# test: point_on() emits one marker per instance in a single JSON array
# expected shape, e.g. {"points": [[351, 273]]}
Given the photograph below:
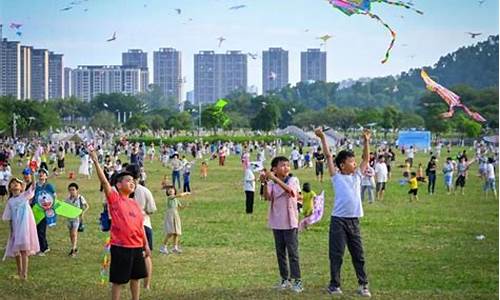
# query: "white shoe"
{"points": [[283, 284], [177, 250], [363, 291], [163, 250]]}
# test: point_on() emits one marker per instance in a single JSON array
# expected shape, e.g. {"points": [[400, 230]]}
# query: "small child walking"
{"points": [[282, 193], [23, 240], [307, 199], [203, 170], [75, 199], [173, 227], [413, 182]]}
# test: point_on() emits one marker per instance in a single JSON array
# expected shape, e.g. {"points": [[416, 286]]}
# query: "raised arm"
{"points": [[100, 173], [280, 182], [329, 160], [366, 150]]}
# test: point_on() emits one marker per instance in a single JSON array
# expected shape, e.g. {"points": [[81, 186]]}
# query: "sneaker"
{"points": [[40, 253], [283, 284], [163, 250], [334, 290], [363, 291], [46, 250], [177, 250], [297, 286], [71, 252]]}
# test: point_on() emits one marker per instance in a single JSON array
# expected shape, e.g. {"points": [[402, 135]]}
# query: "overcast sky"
{"points": [[357, 46]]}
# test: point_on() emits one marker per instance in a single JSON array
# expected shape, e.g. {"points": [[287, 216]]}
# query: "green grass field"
{"points": [[423, 250]]}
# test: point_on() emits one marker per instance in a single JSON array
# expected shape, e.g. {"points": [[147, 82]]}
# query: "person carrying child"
{"points": [[23, 240], [344, 225], [129, 244], [74, 225], [283, 220]]}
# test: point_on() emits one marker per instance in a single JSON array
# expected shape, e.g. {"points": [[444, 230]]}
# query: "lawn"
{"points": [[419, 250]]}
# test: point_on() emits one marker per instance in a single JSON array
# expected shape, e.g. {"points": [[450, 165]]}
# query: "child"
{"points": [[186, 176], [490, 182], [43, 189], [129, 244], [23, 240], [204, 170], [4, 179], [448, 175], [165, 182], [173, 227], [367, 184], [413, 186], [307, 199], [75, 199], [462, 169], [420, 173], [344, 225], [283, 220], [249, 188]]}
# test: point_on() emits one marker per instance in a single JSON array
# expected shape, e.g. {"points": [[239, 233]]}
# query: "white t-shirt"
{"points": [[347, 203], [410, 153], [249, 180], [490, 171], [381, 172], [295, 155], [4, 177], [145, 200]]}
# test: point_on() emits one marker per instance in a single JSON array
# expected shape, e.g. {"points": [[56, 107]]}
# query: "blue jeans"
{"points": [[432, 183], [176, 176]]}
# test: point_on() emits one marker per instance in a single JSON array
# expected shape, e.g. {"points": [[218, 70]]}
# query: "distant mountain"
{"points": [[476, 66]]}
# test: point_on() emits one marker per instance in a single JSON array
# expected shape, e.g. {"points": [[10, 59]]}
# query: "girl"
{"points": [[203, 170], [172, 221], [23, 240]]}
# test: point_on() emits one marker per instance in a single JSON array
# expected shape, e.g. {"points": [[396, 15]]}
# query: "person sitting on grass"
{"points": [[413, 182], [344, 225], [129, 244], [283, 219]]}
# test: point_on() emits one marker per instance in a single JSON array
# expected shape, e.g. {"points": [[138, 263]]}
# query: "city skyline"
{"points": [[355, 50]]}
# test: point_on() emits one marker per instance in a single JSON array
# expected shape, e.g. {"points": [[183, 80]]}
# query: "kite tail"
{"points": [[401, 4], [393, 35]]}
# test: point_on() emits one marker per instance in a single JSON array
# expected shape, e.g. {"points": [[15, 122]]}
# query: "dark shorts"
{"points": [[380, 186], [460, 181], [319, 169], [3, 190], [149, 236], [413, 191], [60, 163], [126, 264]]}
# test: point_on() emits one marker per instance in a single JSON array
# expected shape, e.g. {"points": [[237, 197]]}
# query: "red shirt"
{"points": [[126, 221]]}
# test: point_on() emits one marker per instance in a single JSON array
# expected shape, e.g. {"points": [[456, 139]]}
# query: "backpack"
{"points": [[104, 220]]}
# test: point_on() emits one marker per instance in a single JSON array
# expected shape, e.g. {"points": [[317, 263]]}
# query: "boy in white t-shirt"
{"points": [[381, 175], [490, 183], [344, 225]]}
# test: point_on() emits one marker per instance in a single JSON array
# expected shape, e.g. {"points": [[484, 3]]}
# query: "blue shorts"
{"points": [[489, 185], [448, 179]]}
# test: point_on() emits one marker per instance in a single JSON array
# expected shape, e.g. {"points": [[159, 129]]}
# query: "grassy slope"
{"points": [[419, 250]]}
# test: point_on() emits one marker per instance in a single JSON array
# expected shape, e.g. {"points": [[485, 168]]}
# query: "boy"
{"points": [[344, 225], [284, 220], [41, 190], [413, 186], [129, 244], [249, 188], [79, 201], [380, 177]]}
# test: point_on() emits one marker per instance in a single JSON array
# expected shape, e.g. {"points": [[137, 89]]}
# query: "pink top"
{"points": [[283, 212]]}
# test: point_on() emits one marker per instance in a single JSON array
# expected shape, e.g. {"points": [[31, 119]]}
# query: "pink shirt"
{"points": [[283, 212]]}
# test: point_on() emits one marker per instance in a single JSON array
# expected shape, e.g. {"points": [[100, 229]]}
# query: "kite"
{"points": [[112, 38], [315, 217], [252, 55], [219, 105], [178, 10], [221, 39], [273, 76], [49, 208], [218, 114], [452, 99], [66, 8], [15, 25], [325, 38], [363, 7], [237, 7], [104, 271], [474, 34]]}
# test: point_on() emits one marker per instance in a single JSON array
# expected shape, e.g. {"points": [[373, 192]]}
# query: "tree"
{"points": [[104, 120], [180, 121], [136, 122], [157, 122], [267, 119]]}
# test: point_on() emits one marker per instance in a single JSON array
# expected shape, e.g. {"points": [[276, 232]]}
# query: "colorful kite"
{"points": [[104, 271], [48, 207], [219, 114], [315, 217], [452, 99], [363, 7], [325, 38]]}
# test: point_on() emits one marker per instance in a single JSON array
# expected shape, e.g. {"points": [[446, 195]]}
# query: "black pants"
{"points": [[342, 231], [186, 187], [432, 183], [41, 231], [287, 242], [295, 164], [249, 201]]}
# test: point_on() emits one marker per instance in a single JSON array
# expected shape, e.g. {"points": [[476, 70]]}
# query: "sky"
{"points": [[356, 49]]}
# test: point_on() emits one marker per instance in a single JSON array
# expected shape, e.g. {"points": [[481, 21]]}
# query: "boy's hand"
{"points": [[366, 135], [147, 252], [269, 174], [319, 132]]}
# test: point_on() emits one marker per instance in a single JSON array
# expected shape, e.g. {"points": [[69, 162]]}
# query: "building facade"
{"points": [[274, 69], [56, 76], [313, 65], [167, 72], [40, 74]]}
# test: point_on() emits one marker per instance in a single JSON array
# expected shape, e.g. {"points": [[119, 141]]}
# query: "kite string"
{"points": [[401, 4]]}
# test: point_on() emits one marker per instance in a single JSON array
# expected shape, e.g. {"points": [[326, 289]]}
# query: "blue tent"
{"points": [[418, 139]]}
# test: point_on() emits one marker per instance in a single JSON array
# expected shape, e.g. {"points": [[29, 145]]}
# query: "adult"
{"points": [[60, 159], [144, 198], [319, 162], [177, 166], [43, 189], [249, 187], [410, 155], [380, 177], [295, 156], [431, 174]]}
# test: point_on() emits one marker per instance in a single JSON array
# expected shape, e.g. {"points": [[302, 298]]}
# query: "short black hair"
{"points": [[413, 174], [133, 169], [120, 176], [277, 160], [342, 156], [306, 187], [73, 184]]}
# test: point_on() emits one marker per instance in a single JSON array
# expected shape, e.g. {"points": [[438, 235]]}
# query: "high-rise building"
{"points": [[68, 85], [313, 65], [131, 80], [56, 76], [40, 74], [135, 58], [274, 69], [10, 68], [167, 72], [217, 75], [81, 83], [26, 72]]}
